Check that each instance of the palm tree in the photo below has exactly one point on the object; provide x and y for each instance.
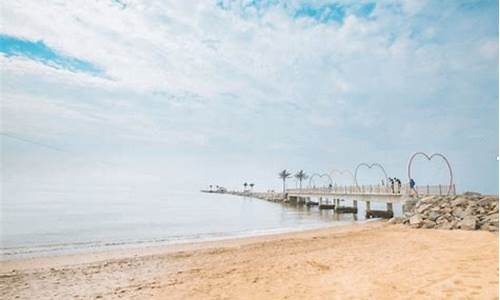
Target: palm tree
(301, 175)
(251, 186)
(245, 186)
(284, 175)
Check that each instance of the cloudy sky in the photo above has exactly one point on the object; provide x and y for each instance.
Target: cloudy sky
(182, 94)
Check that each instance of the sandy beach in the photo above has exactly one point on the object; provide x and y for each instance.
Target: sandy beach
(364, 261)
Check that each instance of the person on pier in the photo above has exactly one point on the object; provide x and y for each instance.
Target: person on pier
(412, 187)
(391, 183)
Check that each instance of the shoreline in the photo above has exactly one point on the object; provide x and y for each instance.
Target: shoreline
(139, 246)
(105, 253)
(370, 260)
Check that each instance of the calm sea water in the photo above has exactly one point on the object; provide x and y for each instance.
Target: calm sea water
(47, 222)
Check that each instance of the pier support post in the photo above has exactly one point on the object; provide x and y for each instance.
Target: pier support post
(389, 206)
(367, 205)
(338, 202)
(355, 203)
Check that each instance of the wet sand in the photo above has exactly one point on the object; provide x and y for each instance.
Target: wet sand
(364, 261)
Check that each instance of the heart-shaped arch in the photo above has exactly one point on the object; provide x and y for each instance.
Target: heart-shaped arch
(342, 172)
(320, 176)
(369, 167)
(410, 162)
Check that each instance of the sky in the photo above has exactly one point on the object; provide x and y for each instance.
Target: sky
(182, 94)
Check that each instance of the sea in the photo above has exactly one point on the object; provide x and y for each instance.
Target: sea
(52, 222)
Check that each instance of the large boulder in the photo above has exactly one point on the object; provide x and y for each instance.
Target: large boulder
(423, 207)
(445, 226)
(395, 220)
(416, 221)
(458, 212)
(433, 215)
(459, 201)
(428, 224)
(468, 223)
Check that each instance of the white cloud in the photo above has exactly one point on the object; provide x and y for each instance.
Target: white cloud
(187, 75)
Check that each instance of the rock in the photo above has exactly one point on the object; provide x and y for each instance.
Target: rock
(436, 208)
(448, 217)
(428, 199)
(422, 208)
(433, 215)
(428, 224)
(468, 212)
(488, 202)
(459, 201)
(468, 223)
(416, 221)
(441, 220)
(492, 218)
(444, 204)
(395, 220)
(471, 210)
(494, 223)
(485, 227)
(459, 212)
(445, 226)
(446, 210)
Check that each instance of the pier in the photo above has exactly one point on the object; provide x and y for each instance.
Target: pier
(330, 197)
(367, 194)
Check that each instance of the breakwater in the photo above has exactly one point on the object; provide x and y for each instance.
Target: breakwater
(470, 211)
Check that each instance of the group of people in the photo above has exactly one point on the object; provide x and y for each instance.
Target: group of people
(395, 184)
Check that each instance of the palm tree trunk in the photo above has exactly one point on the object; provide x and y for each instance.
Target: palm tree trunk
(284, 185)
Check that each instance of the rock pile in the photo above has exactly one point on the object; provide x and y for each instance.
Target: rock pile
(470, 211)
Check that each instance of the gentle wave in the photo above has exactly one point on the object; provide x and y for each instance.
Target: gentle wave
(12, 253)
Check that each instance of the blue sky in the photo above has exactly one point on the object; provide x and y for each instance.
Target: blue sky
(38, 51)
(184, 94)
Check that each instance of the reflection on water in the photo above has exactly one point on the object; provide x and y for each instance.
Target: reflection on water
(46, 221)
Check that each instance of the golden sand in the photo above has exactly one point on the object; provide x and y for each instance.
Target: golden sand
(365, 261)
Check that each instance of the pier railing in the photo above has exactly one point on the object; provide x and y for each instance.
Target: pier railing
(378, 190)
